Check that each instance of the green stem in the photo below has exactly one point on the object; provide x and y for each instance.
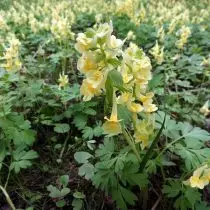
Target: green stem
(150, 150)
(132, 145)
(9, 201)
(64, 146)
(168, 146)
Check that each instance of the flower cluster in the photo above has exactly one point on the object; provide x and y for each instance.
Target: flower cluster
(63, 80)
(184, 33)
(11, 56)
(157, 53)
(101, 54)
(200, 177)
(60, 27)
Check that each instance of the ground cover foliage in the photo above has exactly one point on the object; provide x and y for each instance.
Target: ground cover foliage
(104, 104)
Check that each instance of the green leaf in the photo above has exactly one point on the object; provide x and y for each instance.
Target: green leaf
(17, 165)
(90, 111)
(61, 203)
(87, 170)
(30, 155)
(116, 80)
(119, 165)
(182, 203)
(114, 62)
(77, 204)
(82, 157)
(118, 197)
(106, 150)
(61, 128)
(80, 121)
(129, 197)
(173, 189)
(2, 151)
(65, 191)
(140, 179)
(193, 196)
(54, 191)
(193, 158)
(98, 131)
(23, 137)
(87, 133)
(79, 195)
(64, 180)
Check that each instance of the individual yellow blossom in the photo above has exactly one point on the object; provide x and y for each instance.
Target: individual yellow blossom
(95, 78)
(88, 90)
(205, 109)
(114, 43)
(126, 73)
(158, 53)
(142, 137)
(87, 62)
(104, 32)
(135, 107)
(113, 47)
(200, 178)
(144, 98)
(124, 98)
(112, 126)
(149, 106)
(131, 35)
(147, 102)
(63, 80)
(84, 43)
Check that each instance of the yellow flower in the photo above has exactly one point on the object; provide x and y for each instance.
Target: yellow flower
(84, 43)
(131, 35)
(104, 32)
(142, 133)
(142, 138)
(205, 108)
(149, 106)
(95, 78)
(87, 62)
(124, 98)
(144, 98)
(142, 69)
(161, 34)
(63, 80)
(112, 126)
(198, 179)
(126, 74)
(147, 102)
(135, 107)
(88, 91)
(205, 62)
(157, 53)
(98, 18)
(114, 43)
(184, 35)
(11, 56)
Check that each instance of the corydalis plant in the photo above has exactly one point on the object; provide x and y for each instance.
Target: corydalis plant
(122, 75)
